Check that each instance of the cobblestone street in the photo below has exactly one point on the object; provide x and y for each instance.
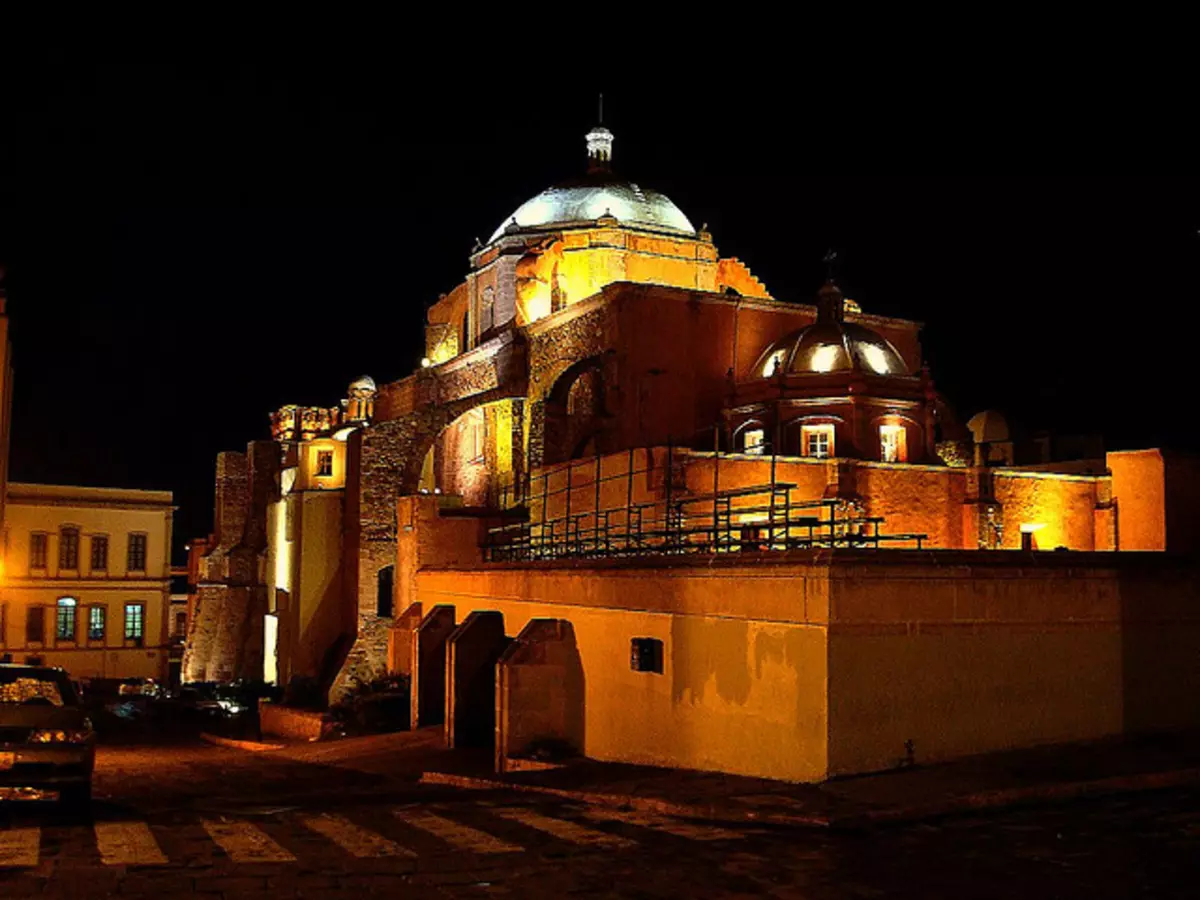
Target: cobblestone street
(196, 819)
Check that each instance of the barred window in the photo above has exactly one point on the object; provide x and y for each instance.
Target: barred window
(68, 548)
(37, 550)
(137, 553)
(99, 553)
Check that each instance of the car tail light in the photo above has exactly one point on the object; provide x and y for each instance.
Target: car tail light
(60, 736)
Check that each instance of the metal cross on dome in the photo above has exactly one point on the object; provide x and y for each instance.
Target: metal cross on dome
(830, 260)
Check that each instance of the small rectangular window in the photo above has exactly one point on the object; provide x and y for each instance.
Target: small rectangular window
(99, 553)
(37, 550)
(96, 621)
(35, 625)
(892, 445)
(137, 553)
(135, 622)
(324, 463)
(64, 629)
(181, 624)
(646, 655)
(817, 441)
(755, 441)
(68, 548)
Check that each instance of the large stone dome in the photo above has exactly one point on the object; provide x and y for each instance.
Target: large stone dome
(599, 193)
(583, 203)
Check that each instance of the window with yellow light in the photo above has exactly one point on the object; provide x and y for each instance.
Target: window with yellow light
(754, 441)
(892, 444)
(817, 441)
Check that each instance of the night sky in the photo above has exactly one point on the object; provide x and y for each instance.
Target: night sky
(190, 248)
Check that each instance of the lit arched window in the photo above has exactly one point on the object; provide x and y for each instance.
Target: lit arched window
(65, 621)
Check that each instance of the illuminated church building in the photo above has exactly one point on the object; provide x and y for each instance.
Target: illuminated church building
(633, 504)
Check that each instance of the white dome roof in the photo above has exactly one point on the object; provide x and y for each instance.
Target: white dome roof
(583, 203)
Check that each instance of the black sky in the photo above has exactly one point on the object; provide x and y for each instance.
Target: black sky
(191, 247)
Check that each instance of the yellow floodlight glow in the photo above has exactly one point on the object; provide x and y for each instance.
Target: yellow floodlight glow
(773, 364)
(875, 357)
(426, 362)
(823, 358)
(1031, 527)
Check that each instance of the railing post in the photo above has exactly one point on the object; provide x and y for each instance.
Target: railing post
(670, 481)
(567, 519)
(716, 541)
(596, 509)
(629, 500)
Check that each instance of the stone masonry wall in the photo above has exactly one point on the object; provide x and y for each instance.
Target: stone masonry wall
(229, 519)
(226, 640)
(385, 463)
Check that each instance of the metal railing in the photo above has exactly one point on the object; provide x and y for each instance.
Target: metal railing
(746, 519)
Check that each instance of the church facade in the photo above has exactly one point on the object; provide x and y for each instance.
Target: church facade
(634, 505)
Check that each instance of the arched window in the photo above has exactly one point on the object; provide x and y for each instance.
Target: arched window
(65, 622)
(383, 592)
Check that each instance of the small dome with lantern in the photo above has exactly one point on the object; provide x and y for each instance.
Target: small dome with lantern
(831, 344)
(362, 386)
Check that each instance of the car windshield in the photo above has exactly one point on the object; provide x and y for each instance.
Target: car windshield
(26, 686)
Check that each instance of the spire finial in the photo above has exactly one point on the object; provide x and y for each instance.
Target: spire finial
(601, 119)
(599, 145)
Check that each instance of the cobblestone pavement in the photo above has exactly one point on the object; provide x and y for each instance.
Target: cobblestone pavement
(200, 821)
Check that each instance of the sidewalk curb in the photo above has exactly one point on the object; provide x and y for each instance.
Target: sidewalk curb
(620, 801)
(983, 800)
(250, 746)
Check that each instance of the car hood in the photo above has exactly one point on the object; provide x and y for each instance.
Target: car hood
(14, 715)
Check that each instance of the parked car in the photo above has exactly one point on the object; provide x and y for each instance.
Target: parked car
(46, 740)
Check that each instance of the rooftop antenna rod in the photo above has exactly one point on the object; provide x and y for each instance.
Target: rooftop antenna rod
(601, 120)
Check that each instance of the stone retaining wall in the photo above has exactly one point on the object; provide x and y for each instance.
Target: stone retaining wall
(294, 724)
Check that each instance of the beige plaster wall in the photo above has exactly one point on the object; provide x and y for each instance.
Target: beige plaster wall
(963, 659)
(736, 695)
